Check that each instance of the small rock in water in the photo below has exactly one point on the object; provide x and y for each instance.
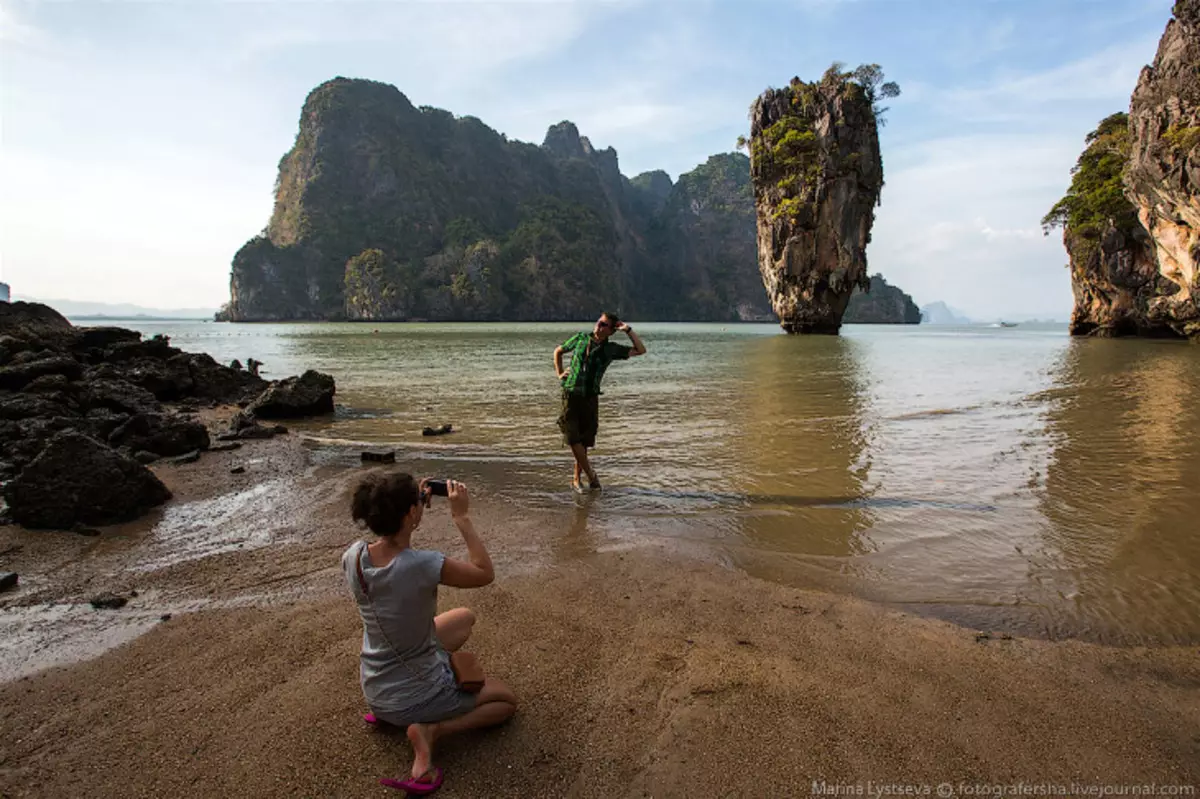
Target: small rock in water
(437, 431)
(379, 457)
(108, 601)
(238, 470)
(8, 580)
(982, 637)
(165, 617)
(190, 457)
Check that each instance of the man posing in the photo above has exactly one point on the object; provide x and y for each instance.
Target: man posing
(591, 353)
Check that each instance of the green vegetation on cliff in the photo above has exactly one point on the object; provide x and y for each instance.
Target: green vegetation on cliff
(387, 211)
(1097, 193)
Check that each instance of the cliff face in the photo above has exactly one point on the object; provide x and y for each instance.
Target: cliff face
(1163, 179)
(817, 175)
(701, 245)
(881, 304)
(1113, 273)
(387, 211)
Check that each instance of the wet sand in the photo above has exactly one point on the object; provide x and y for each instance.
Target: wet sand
(641, 671)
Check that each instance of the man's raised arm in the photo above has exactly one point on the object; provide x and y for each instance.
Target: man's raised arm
(638, 347)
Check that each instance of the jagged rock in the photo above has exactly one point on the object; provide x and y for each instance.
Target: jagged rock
(8, 580)
(162, 434)
(119, 396)
(31, 319)
(75, 480)
(157, 348)
(17, 375)
(101, 422)
(108, 601)
(215, 381)
(817, 175)
(1163, 177)
(48, 384)
(36, 405)
(88, 338)
(309, 394)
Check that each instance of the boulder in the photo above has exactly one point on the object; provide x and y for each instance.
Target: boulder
(48, 384)
(87, 338)
(30, 317)
(160, 433)
(215, 381)
(17, 375)
(77, 480)
(120, 396)
(307, 395)
(31, 406)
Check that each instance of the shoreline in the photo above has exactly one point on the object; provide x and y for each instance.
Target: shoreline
(641, 670)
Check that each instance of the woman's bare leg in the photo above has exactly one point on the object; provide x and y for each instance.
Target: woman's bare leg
(493, 705)
(453, 628)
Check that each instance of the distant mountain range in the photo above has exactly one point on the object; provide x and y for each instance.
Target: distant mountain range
(121, 310)
(939, 313)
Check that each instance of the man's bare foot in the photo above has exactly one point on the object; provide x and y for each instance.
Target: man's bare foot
(421, 737)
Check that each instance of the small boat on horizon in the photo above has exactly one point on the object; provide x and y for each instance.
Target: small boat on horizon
(1003, 324)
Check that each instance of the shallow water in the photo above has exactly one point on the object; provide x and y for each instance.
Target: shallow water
(1010, 478)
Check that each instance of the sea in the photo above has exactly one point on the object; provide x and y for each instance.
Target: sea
(1010, 479)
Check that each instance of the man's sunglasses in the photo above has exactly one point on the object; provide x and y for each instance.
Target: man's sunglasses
(603, 324)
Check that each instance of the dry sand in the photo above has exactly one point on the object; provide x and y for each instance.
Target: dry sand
(641, 672)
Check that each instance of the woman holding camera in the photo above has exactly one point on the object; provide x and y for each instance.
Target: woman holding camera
(405, 666)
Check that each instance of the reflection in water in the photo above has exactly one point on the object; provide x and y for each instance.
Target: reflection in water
(1121, 492)
(799, 450)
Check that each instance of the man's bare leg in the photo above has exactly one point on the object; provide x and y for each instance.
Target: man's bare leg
(582, 466)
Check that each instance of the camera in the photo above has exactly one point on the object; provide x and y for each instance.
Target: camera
(437, 488)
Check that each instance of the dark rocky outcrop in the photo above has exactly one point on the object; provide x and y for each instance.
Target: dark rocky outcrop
(387, 211)
(1163, 177)
(68, 389)
(76, 479)
(881, 304)
(817, 175)
(160, 433)
(309, 394)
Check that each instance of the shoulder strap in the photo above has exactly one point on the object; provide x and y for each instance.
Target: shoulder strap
(362, 581)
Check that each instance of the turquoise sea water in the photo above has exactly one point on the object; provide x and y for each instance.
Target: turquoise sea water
(1010, 478)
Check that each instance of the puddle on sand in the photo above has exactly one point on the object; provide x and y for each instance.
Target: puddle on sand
(39, 637)
(221, 524)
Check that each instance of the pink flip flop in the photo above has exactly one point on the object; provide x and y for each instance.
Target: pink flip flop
(421, 787)
(370, 719)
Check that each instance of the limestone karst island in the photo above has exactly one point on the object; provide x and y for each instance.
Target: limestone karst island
(588, 400)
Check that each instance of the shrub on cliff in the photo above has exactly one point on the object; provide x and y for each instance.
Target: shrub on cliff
(1097, 193)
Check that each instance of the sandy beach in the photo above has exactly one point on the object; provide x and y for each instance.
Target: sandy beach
(642, 671)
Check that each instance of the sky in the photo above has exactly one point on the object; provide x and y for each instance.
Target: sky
(139, 141)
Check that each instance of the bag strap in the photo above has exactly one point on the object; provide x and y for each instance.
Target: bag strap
(362, 581)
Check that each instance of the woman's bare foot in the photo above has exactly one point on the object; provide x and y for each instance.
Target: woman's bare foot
(594, 481)
(421, 736)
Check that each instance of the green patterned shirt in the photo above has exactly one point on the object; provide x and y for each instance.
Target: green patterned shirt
(589, 359)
